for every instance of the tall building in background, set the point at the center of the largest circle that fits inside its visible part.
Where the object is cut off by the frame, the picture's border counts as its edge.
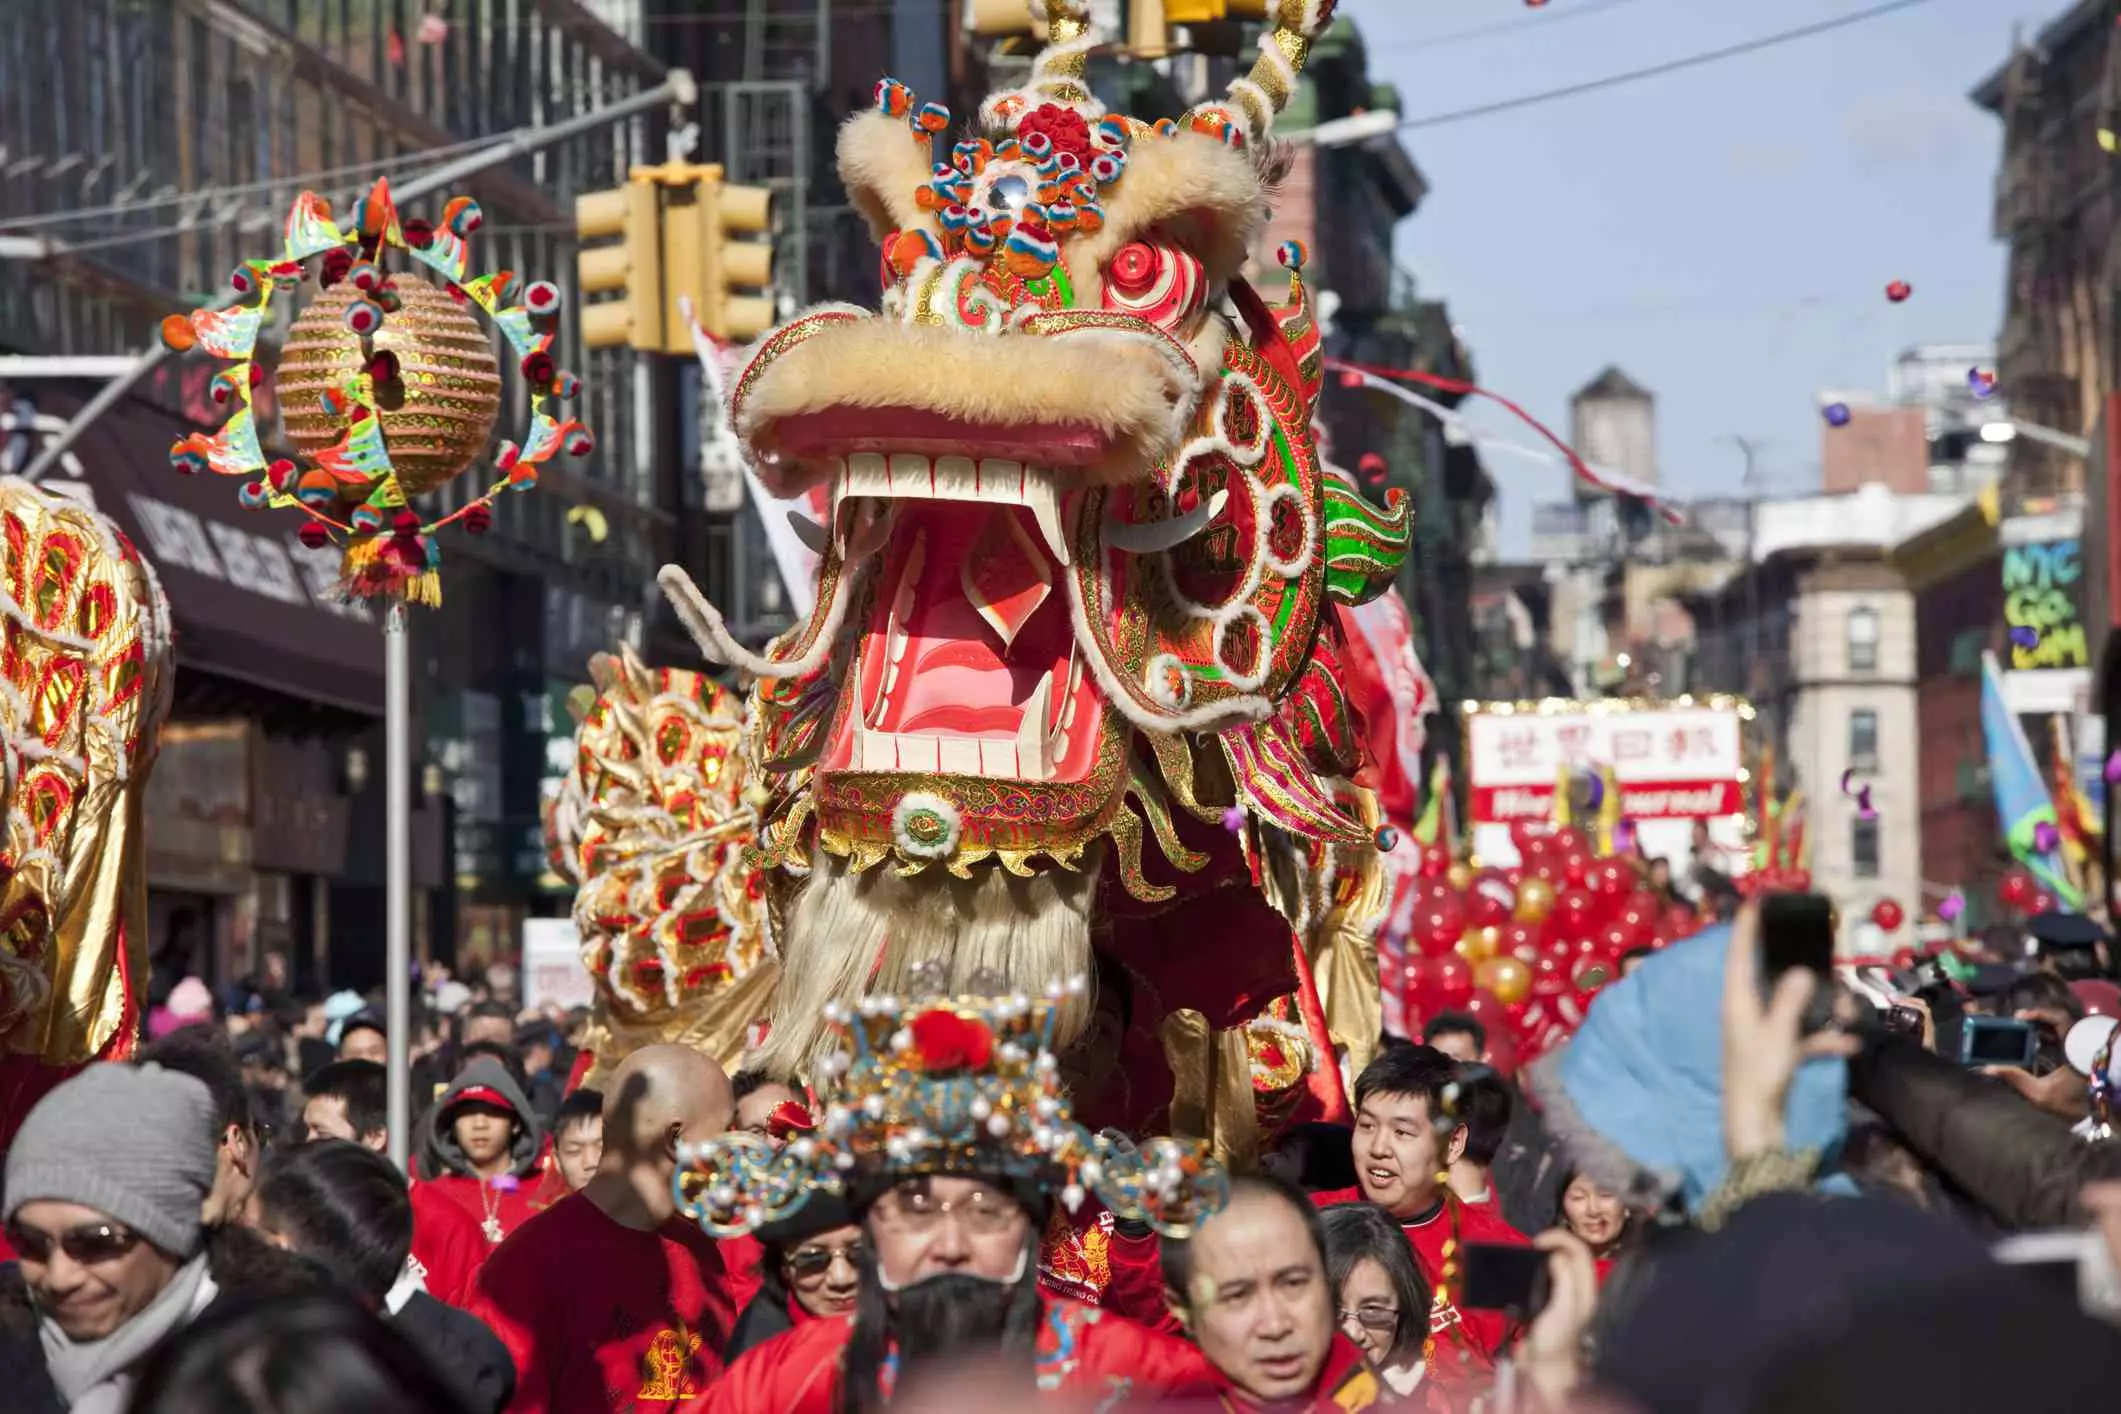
(2055, 207)
(171, 139)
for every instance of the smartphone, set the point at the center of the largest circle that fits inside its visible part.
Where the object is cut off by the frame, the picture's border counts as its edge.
(2074, 1264)
(1512, 1280)
(1797, 931)
(1994, 1040)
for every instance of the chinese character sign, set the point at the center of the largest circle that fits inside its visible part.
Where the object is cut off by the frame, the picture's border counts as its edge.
(2040, 605)
(1681, 763)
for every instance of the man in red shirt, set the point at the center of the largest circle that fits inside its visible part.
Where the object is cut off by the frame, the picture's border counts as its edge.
(348, 1099)
(609, 1301)
(1405, 1142)
(1251, 1284)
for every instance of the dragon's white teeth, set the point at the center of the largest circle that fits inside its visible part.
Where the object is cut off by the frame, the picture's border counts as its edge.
(1042, 496)
(907, 476)
(1153, 537)
(1031, 733)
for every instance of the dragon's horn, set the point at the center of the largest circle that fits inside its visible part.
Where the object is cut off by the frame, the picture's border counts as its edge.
(1256, 98)
(1057, 74)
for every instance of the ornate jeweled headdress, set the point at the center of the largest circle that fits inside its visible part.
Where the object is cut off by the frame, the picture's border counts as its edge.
(956, 1085)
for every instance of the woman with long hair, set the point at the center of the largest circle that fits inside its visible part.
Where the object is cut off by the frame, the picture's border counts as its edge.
(1379, 1292)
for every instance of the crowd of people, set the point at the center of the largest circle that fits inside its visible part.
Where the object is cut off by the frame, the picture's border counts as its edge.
(215, 1226)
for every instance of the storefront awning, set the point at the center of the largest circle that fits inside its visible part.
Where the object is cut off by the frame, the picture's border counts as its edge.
(247, 600)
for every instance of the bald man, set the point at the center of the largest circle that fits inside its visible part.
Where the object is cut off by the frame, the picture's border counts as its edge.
(608, 1300)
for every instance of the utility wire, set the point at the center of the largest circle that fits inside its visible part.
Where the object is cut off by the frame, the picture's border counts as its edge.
(1670, 66)
(1466, 36)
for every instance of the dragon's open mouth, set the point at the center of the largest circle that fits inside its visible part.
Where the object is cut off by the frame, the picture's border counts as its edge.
(969, 664)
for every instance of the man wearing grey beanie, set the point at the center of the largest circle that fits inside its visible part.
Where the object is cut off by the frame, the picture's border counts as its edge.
(105, 1182)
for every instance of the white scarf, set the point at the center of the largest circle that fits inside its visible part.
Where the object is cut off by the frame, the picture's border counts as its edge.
(96, 1376)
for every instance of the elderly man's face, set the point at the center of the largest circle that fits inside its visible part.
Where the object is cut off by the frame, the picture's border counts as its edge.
(90, 1295)
(1261, 1309)
(929, 1227)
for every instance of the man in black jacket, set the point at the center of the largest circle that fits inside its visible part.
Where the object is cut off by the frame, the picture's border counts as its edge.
(345, 1207)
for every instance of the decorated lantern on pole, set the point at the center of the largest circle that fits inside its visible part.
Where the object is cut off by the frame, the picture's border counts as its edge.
(388, 383)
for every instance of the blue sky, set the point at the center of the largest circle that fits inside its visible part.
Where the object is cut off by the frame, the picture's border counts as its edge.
(1724, 234)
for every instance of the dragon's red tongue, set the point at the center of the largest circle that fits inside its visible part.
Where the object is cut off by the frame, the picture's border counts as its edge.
(1005, 576)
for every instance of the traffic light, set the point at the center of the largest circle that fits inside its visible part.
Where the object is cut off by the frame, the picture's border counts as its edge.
(674, 223)
(703, 263)
(991, 19)
(633, 267)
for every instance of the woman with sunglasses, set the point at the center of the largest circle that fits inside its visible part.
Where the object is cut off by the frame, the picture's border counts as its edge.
(107, 1182)
(1380, 1294)
(810, 1269)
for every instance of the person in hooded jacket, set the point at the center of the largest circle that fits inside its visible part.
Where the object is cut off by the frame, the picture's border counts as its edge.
(487, 1140)
(106, 1182)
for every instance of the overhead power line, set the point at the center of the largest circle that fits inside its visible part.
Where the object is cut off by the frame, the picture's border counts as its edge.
(1529, 22)
(1670, 66)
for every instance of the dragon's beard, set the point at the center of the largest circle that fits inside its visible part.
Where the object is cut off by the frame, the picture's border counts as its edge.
(852, 934)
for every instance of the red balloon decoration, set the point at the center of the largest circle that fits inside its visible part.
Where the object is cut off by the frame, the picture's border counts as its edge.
(1438, 923)
(1573, 911)
(1888, 915)
(1435, 861)
(1452, 979)
(1611, 878)
(2018, 889)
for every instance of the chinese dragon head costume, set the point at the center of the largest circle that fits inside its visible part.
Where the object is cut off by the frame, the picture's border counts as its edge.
(85, 678)
(1067, 701)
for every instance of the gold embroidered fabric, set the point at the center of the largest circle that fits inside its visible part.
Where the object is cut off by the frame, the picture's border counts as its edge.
(653, 825)
(85, 676)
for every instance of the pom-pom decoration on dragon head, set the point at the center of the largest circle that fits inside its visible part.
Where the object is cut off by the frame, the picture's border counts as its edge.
(1064, 672)
(85, 676)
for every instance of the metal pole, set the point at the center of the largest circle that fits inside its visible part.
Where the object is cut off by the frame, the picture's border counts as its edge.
(397, 885)
(677, 89)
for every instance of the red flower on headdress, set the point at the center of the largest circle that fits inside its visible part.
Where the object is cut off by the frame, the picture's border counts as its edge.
(789, 1119)
(943, 1040)
(1065, 128)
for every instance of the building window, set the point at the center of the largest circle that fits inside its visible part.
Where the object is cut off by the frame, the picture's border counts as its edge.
(1863, 848)
(1863, 741)
(1863, 640)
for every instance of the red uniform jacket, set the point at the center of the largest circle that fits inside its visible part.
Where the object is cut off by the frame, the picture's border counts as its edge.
(603, 1319)
(1082, 1350)
(447, 1244)
(1466, 1341)
(1085, 1257)
(507, 1201)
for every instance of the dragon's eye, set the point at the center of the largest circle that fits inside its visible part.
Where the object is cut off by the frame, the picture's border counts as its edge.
(1160, 283)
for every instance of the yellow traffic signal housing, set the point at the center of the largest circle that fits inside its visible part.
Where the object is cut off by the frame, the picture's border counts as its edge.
(991, 19)
(632, 268)
(703, 263)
